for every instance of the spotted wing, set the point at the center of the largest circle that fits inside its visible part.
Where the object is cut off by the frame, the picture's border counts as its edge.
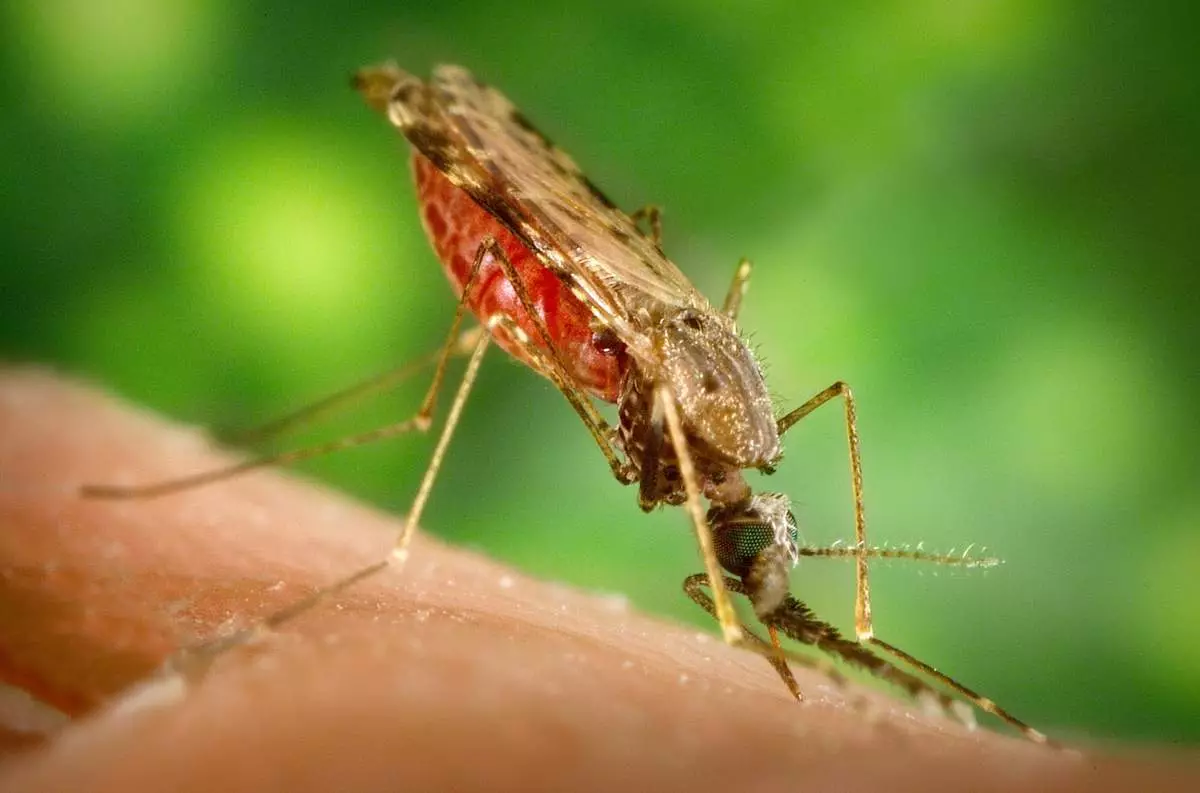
(475, 135)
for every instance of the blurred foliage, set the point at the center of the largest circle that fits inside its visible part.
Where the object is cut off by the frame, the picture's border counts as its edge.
(980, 214)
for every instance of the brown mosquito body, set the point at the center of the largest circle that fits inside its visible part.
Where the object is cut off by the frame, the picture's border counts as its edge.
(574, 288)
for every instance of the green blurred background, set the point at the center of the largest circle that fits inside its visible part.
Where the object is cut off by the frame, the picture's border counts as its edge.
(980, 214)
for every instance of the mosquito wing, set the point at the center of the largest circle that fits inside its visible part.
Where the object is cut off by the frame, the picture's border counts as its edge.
(485, 146)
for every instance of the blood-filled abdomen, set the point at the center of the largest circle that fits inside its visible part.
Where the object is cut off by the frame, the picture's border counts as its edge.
(457, 227)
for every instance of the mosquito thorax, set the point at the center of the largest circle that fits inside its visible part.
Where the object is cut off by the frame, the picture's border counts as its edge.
(744, 530)
(719, 387)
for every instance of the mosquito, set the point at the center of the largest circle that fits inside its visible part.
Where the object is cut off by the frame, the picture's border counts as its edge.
(582, 293)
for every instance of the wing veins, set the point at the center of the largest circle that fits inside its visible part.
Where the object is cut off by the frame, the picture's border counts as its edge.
(486, 147)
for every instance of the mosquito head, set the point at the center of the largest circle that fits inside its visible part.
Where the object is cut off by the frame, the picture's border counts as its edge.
(755, 540)
(719, 387)
(378, 84)
(742, 531)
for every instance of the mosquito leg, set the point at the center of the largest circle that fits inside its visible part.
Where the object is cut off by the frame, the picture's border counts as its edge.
(649, 496)
(400, 549)
(731, 628)
(862, 592)
(203, 654)
(777, 661)
(539, 361)
(652, 215)
(419, 422)
(200, 656)
(197, 658)
(399, 554)
(737, 289)
(355, 393)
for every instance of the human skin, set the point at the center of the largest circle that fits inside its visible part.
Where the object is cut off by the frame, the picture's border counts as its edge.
(454, 673)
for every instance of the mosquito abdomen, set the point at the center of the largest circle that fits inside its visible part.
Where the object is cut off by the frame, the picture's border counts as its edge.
(456, 227)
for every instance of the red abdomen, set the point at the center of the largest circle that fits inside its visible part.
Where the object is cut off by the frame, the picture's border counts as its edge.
(457, 226)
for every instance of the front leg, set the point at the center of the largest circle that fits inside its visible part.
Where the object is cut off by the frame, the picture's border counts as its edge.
(863, 627)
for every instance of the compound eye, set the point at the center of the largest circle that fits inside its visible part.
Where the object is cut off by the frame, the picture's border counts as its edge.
(740, 536)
